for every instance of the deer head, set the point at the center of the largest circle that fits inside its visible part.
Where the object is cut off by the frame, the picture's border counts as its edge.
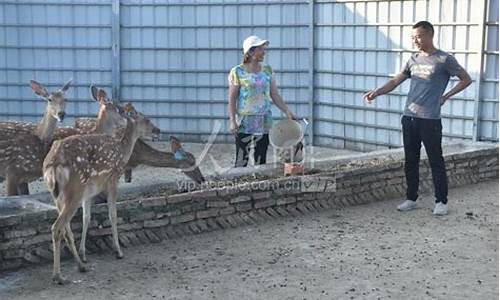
(110, 116)
(56, 102)
(54, 111)
(145, 128)
(192, 171)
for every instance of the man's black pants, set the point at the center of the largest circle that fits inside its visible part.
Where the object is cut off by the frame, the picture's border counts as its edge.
(428, 131)
(243, 142)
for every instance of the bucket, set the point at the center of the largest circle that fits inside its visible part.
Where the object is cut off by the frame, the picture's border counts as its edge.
(286, 137)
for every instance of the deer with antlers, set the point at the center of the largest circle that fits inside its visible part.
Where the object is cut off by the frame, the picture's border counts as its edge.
(23, 147)
(82, 166)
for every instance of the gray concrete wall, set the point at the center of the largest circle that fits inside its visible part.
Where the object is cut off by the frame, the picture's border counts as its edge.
(25, 236)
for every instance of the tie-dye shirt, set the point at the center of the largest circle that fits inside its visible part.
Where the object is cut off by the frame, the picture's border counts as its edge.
(253, 106)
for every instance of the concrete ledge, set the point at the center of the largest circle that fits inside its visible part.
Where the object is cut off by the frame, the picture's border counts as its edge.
(25, 223)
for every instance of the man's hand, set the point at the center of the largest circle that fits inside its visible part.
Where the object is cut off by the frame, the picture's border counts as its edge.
(444, 98)
(370, 96)
(386, 88)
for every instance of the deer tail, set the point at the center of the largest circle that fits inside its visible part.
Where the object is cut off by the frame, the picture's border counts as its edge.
(55, 178)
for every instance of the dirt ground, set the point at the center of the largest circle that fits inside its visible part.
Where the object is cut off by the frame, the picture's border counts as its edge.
(361, 252)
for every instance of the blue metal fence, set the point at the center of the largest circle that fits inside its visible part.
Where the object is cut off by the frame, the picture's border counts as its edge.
(172, 59)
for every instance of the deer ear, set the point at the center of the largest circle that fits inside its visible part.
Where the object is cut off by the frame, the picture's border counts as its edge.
(39, 89)
(93, 92)
(66, 85)
(175, 144)
(174, 139)
(102, 96)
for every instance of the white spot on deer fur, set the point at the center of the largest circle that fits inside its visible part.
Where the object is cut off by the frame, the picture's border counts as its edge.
(104, 171)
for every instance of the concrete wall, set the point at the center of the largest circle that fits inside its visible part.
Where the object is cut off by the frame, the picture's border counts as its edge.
(25, 237)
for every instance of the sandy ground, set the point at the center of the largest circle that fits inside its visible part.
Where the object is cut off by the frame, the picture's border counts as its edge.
(218, 159)
(361, 252)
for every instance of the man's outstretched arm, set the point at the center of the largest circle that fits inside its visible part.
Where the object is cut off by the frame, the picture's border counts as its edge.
(386, 88)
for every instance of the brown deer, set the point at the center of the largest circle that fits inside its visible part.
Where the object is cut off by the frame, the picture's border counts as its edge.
(23, 147)
(182, 159)
(82, 166)
(54, 111)
(144, 154)
(108, 121)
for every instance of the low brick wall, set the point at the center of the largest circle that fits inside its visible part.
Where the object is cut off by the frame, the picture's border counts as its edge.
(25, 238)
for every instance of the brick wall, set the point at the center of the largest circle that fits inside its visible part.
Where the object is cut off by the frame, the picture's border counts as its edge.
(25, 238)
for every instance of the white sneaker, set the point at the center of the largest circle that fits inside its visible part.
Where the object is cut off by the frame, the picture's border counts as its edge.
(407, 205)
(440, 209)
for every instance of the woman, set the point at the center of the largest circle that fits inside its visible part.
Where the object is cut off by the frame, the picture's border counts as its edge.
(252, 89)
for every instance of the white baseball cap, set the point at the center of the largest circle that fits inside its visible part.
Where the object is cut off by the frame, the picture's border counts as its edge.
(253, 41)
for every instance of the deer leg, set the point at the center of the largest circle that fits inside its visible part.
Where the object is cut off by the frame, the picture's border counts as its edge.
(86, 220)
(66, 211)
(112, 219)
(56, 244)
(23, 189)
(58, 229)
(10, 185)
(128, 175)
(70, 241)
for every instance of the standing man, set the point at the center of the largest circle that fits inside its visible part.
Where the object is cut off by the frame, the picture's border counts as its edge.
(430, 70)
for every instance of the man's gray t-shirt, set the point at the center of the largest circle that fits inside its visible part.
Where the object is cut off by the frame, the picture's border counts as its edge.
(429, 78)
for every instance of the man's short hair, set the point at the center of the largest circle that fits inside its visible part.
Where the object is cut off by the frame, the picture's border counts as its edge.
(425, 25)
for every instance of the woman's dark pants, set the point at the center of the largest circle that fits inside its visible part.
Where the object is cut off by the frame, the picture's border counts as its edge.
(243, 143)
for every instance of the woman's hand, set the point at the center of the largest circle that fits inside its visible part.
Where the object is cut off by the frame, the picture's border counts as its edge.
(233, 126)
(290, 115)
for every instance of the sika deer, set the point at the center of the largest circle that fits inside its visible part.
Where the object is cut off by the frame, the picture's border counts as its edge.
(54, 111)
(80, 167)
(23, 148)
(145, 154)
(108, 121)
(109, 118)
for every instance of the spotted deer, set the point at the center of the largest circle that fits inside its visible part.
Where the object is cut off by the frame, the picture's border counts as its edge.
(54, 111)
(23, 147)
(144, 154)
(82, 166)
(108, 121)
(183, 160)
